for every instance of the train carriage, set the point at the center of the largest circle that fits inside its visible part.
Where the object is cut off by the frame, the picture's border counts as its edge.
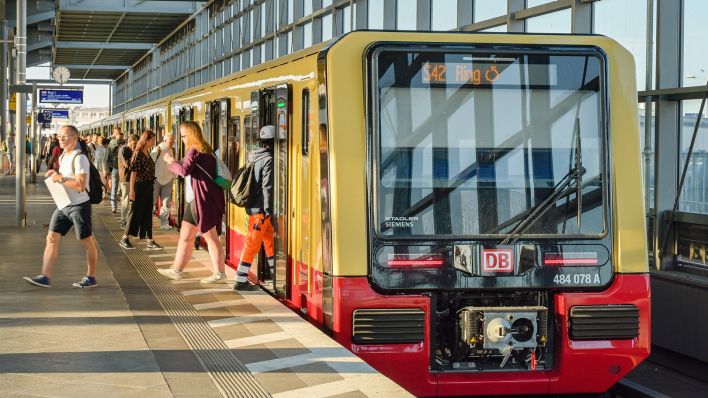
(463, 211)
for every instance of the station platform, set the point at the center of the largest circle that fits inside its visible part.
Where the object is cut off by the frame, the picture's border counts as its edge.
(140, 335)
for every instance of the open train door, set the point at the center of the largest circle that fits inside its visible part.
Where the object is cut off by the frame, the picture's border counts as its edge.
(283, 267)
(185, 114)
(272, 107)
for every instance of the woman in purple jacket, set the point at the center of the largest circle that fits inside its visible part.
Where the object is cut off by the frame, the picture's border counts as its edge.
(204, 207)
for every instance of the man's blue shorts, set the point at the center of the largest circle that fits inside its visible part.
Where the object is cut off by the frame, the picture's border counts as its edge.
(78, 216)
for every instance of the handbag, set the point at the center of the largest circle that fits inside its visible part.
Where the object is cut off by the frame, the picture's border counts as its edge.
(222, 176)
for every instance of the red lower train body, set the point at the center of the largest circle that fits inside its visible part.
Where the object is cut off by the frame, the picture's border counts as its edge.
(578, 366)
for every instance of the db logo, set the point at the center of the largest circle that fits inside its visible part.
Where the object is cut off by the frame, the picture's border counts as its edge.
(497, 260)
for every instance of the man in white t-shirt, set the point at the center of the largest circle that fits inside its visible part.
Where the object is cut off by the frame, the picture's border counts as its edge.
(164, 179)
(73, 174)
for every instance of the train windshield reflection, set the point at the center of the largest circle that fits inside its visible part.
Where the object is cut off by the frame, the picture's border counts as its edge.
(468, 143)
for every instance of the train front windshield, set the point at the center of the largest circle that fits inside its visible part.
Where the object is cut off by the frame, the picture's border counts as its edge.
(473, 143)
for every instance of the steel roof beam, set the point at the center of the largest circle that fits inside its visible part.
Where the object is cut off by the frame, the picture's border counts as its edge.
(89, 45)
(39, 17)
(130, 6)
(96, 67)
(39, 44)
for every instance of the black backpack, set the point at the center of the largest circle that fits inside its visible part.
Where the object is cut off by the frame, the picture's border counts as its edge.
(243, 186)
(113, 153)
(95, 184)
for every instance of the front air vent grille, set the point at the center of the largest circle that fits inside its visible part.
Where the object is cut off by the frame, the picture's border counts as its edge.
(604, 322)
(388, 326)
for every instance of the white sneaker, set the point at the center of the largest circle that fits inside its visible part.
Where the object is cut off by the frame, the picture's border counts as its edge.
(216, 277)
(170, 273)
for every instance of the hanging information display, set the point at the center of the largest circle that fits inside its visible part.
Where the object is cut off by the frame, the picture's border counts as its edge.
(61, 96)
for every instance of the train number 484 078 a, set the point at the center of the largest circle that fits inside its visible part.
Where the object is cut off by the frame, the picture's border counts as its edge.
(576, 279)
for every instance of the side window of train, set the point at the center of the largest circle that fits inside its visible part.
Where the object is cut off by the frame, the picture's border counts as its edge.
(305, 122)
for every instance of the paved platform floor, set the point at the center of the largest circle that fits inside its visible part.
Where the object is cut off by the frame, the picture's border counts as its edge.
(138, 335)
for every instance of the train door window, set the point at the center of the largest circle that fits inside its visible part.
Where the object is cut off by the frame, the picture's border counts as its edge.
(305, 122)
(214, 126)
(234, 145)
(206, 124)
(224, 127)
(248, 142)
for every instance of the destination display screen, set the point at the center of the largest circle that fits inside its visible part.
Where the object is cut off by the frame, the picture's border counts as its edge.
(488, 72)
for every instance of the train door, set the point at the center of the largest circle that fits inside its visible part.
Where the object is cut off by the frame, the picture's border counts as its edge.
(232, 161)
(272, 107)
(302, 241)
(217, 124)
(185, 114)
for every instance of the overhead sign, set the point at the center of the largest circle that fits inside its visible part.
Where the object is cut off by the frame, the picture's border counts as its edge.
(44, 116)
(59, 96)
(56, 113)
(13, 102)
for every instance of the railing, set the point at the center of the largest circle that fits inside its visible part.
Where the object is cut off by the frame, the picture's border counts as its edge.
(691, 234)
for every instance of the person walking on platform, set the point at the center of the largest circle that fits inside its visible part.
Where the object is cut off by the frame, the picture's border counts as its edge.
(125, 153)
(260, 226)
(116, 143)
(28, 155)
(54, 154)
(100, 158)
(164, 178)
(204, 208)
(10, 145)
(73, 174)
(142, 177)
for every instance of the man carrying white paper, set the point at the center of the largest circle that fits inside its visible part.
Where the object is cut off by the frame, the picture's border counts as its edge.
(73, 175)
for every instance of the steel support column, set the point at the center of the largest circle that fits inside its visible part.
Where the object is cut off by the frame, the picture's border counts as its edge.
(424, 15)
(465, 12)
(389, 15)
(362, 15)
(34, 141)
(513, 24)
(667, 137)
(3, 80)
(20, 124)
(648, 110)
(581, 17)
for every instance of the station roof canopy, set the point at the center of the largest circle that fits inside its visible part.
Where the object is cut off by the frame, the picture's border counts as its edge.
(98, 39)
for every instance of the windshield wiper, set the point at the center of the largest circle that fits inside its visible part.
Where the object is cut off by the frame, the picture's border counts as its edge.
(571, 182)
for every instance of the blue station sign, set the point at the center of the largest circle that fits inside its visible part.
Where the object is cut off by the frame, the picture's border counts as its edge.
(58, 113)
(61, 96)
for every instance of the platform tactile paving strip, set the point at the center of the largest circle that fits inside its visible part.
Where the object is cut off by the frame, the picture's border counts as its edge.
(283, 353)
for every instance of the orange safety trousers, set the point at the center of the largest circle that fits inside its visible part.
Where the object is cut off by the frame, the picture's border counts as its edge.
(260, 231)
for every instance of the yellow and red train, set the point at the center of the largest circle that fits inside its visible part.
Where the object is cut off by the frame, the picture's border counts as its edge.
(463, 211)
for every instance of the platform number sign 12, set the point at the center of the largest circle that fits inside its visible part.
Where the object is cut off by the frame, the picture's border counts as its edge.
(497, 260)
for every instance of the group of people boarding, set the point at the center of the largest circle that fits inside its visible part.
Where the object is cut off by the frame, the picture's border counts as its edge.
(140, 172)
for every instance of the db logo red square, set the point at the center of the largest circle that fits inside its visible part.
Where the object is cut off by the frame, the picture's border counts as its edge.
(497, 260)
